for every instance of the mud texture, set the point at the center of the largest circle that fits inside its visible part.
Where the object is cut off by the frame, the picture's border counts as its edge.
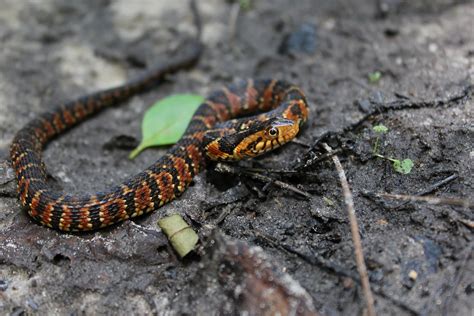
(419, 255)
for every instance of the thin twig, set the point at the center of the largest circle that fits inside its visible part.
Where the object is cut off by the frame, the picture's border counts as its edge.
(316, 159)
(279, 183)
(361, 268)
(257, 176)
(222, 216)
(314, 260)
(300, 143)
(306, 162)
(197, 19)
(430, 189)
(234, 15)
(467, 223)
(438, 184)
(430, 199)
(282, 172)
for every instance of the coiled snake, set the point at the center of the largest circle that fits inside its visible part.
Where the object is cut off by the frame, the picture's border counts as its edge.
(215, 132)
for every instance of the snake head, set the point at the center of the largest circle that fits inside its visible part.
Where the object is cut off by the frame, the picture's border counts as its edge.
(258, 138)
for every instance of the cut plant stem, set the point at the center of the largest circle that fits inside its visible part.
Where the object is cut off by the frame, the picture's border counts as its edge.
(376, 146)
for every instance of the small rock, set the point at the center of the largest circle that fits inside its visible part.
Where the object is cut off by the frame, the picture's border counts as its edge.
(469, 289)
(364, 105)
(18, 311)
(3, 285)
(302, 40)
(32, 304)
(377, 97)
(412, 275)
(377, 276)
(124, 142)
(391, 31)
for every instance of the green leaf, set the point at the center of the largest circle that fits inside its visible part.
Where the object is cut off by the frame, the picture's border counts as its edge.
(182, 237)
(165, 122)
(375, 76)
(381, 129)
(404, 166)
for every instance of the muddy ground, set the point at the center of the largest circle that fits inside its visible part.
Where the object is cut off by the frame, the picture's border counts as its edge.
(419, 255)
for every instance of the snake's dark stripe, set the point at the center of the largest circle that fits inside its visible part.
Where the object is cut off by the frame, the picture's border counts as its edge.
(160, 183)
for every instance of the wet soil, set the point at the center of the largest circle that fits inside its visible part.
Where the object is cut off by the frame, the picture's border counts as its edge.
(419, 255)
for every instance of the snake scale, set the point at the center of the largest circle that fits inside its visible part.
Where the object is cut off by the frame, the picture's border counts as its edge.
(239, 121)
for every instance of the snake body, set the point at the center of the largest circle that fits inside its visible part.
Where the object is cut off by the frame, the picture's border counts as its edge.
(215, 132)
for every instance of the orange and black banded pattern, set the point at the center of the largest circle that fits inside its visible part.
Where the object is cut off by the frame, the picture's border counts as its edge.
(171, 174)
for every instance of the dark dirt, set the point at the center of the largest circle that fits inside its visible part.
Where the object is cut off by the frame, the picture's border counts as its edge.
(419, 255)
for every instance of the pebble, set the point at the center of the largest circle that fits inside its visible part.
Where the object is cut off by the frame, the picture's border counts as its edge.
(17, 311)
(302, 40)
(3, 285)
(377, 97)
(469, 289)
(412, 275)
(364, 105)
(32, 304)
(377, 275)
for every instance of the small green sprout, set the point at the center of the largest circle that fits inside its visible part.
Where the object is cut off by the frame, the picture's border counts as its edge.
(375, 76)
(380, 129)
(401, 166)
(328, 201)
(245, 4)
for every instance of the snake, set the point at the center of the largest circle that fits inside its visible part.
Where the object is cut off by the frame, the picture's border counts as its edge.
(239, 121)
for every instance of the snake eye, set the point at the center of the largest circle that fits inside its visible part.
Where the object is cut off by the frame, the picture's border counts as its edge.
(273, 132)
